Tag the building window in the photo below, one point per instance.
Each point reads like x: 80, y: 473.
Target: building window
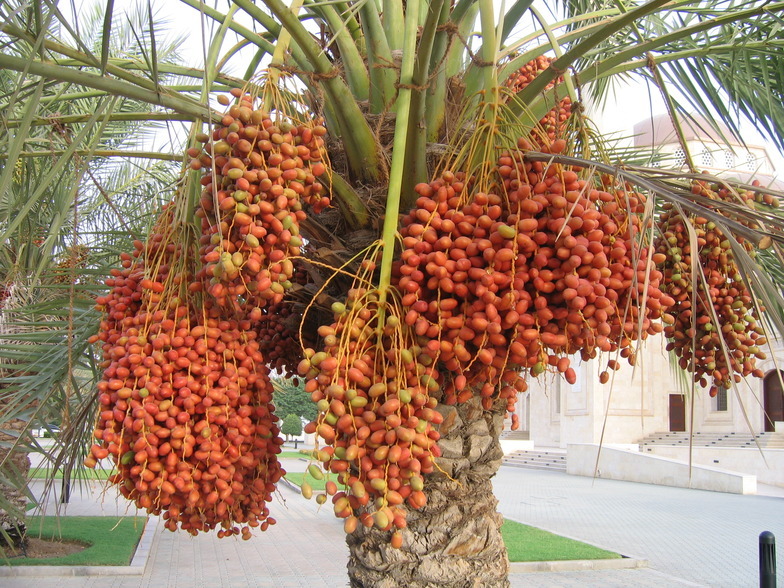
x: 719, y: 401
x: 751, y: 161
x: 707, y: 158
x: 729, y: 159
x: 679, y: 156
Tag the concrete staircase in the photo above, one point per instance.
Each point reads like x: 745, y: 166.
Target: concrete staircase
x: 515, y: 436
x: 553, y: 460
x: 735, y: 440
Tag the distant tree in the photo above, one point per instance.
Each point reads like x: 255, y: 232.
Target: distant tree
x: 292, y: 399
x: 292, y: 426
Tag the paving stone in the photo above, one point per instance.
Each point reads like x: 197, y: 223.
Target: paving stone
x: 706, y: 538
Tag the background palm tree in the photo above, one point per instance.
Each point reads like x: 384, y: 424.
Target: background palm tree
x: 407, y: 90
x: 62, y: 204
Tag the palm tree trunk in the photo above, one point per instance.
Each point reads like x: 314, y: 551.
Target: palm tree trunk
x: 455, y: 540
x: 14, y: 503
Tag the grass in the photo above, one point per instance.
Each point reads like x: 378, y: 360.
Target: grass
x: 292, y: 454
x: 76, y: 474
x: 526, y: 543
x: 298, y: 477
x: 112, y: 540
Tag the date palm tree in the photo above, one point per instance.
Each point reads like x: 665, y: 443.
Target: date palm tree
x: 408, y: 91
x: 61, y: 203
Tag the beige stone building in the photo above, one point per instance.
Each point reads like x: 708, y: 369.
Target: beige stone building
x: 711, y: 152
x: 638, y: 402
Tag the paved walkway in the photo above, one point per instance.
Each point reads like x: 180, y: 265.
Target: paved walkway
x: 689, y: 537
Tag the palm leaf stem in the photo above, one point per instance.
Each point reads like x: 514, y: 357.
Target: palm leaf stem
x: 352, y: 207
x: 353, y: 63
x: 102, y: 153
x: 399, y: 152
x: 517, y: 58
x: 489, y: 48
x: 483, y: 68
x: 350, y: 14
x: 75, y: 35
x: 81, y: 59
x: 557, y: 51
x: 178, y: 70
x: 393, y: 22
x: 253, y: 64
x: 281, y: 46
x: 359, y: 141
x: 300, y: 57
x: 416, y: 161
x: 462, y: 9
x: 605, y: 70
x: 211, y: 67
x: 110, y: 86
x: 666, y: 96
x: 458, y: 51
x: 116, y: 117
x: 106, y: 34
x: 435, y: 105
x: 380, y: 62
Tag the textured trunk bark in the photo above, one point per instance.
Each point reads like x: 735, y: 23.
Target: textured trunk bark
x: 17, y: 466
x: 455, y: 540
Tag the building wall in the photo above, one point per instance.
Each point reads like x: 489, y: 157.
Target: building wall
x: 713, y: 158
x: 543, y: 416
x: 634, y: 403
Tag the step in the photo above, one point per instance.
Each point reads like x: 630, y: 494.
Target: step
x: 766, y: 440
x: 560, y: 467
x: 552, y: 468
x: 534, y: 456
x: 535, y: 460
x: 540, y: 453
x: 515, y: 436
x: 542, y: 460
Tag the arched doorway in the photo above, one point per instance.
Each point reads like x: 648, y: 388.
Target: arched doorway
x: 773, y: 400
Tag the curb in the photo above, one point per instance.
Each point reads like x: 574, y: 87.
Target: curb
x: 577, y: 565
x: 291, y: 485
x: 136, y: 568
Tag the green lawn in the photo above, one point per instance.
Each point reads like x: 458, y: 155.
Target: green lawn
x: 77, y: 474
x: 526, y: 543
x: 292, y: 454
x: 298, y: 477
x: 112, y: 540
